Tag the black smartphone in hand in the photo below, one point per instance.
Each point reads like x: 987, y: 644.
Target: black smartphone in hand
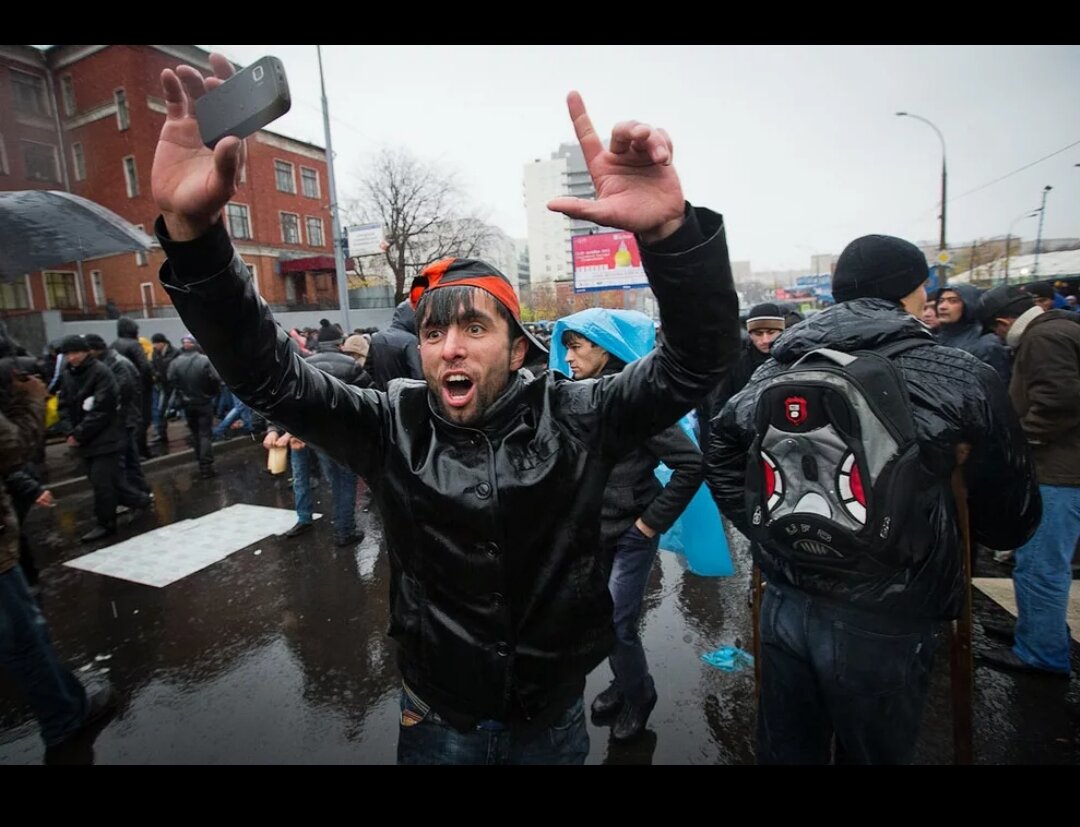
x: 245, y: 103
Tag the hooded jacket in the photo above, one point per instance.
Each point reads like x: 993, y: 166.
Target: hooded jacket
x: 498, y: 580
x: 127, y: 344
x: 967, y: 334
x: 394, y: 353
x: 955, y: 399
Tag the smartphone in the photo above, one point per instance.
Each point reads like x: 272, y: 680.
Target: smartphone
x: 245, y: 103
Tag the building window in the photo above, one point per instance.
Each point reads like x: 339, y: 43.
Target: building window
x: 67, y: 90
x: 309, y: 182
x: 31, y: 96
x: 4, y: 168
x: 290, y: 228
x: 40, y: 161
x: 142, y: 258
x: 131, y: 176
x: 314, y: 232
x: 78, y: 161
x: 98, y: 287
x: 61, y: 291
x: 239, y: 221
x: 283, y: 171
x: 123, y: 117
x: 14, y: 296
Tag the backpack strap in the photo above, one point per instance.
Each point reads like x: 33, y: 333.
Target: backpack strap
x: 841, y: 358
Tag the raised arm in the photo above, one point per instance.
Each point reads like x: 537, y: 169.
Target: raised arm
x: 213, y: 292
x: 684, y: 253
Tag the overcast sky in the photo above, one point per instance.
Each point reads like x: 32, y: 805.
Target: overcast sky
x: 799, y: 147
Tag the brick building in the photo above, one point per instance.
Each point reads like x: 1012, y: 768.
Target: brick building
x: 86, y: 119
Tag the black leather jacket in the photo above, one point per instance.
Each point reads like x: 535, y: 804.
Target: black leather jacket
x: 90, y: 408
x: 330, y: 359
x: 955, y: 399
x: 498, y: 587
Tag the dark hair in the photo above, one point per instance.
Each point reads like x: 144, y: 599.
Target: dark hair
x: 570, y: 336
x: 446, y: 305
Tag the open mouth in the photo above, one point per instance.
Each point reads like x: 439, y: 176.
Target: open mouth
x: 458, y: 390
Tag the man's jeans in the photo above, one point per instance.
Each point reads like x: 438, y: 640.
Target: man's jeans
x: 1042, y: 579
x: 239, y: 411
x: 829, y: 670
x: 343, y: 490
x: 634, y: 556
x: 424, y: 738
x: 27, y: 655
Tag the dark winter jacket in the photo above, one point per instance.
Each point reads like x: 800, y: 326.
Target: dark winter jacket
x: 127, y: 345
x: 127, y: 378
x: 498, y: 579
x: 394, y: 353
x: 330, y: 359
x: 955, y: 399
x: 633, y: 490
x: 1045, y: 391
x: 89, y: 407
x: 750, y: 359
x: 967, y: 334
x: 22, y: 425
x: 195, y: 378
x: 160, y: 361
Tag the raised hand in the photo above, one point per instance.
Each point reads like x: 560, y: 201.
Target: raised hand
x: 192, y: 184
x: 637, y: 188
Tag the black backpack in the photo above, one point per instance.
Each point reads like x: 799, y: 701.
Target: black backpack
x: 832, y: 472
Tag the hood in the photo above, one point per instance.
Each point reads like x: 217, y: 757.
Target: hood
x: 404, y: 318
x: 127, y: 329
x: 859, y: 324
x: 971, y: 298
x: 625, y: 334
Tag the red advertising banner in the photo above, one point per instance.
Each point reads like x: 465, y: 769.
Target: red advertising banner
x: 607, y: 261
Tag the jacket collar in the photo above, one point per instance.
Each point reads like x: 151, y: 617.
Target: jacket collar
x: 1012, y: 338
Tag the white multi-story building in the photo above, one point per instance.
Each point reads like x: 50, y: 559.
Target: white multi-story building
x: 550, y: 257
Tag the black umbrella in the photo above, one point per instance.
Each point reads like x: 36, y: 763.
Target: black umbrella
x: 43, y: 228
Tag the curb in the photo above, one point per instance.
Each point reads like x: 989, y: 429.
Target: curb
x: 79, y: 485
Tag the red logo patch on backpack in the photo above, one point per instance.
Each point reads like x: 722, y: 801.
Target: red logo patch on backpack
x: 795, y: 410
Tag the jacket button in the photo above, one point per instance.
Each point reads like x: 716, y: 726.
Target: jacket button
x: 497, y: 600
x: 483, y: 490
x: 491, y: 549
x: 502, y: 650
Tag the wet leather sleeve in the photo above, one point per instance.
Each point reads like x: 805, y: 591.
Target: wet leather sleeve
x: 213, y: 292
x: 699, y: 317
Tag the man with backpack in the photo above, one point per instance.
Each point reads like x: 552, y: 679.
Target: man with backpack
x: 836, y: 462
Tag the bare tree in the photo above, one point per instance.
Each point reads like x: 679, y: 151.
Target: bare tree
x: 422, y: 212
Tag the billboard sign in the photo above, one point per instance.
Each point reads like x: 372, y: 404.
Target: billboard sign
x: 607, y: 261
x: 364, y: 240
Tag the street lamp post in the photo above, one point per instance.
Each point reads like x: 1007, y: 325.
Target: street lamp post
x: 1008, y: 238
x: 944, y: 174
x: 1038, y: 239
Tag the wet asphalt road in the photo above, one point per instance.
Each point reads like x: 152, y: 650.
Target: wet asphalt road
x: 282, y: 657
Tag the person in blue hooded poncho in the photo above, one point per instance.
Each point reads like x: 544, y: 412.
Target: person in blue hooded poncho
x: 637, y: 508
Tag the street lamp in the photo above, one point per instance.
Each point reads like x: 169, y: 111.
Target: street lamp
x: 941, y: 245
x: 1008, y: 238
x: 1038, y: 239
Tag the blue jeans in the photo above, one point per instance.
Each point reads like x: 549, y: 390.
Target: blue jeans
x: 1042, y: 579
x: 634, y: 556
x: 239, y: 411
x: 829, y: 671
x: 343, y: 490
x: 26, y: 653
x: 424, y: 738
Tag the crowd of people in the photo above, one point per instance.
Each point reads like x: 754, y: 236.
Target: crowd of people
x: 519, y: 505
